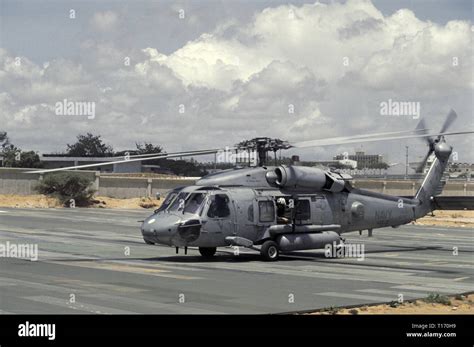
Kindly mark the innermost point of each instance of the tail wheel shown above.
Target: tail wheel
(207, 252)
(270, 251)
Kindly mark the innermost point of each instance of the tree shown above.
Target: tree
(145, 148)
(148, 148)
(183, 168)
(178, 167)
(15, 157)
(4, 141)
(89, 146)
(71, 188)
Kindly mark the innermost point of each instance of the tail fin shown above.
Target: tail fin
(432, 183)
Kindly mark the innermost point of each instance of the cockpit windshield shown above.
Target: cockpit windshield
(188, 202)
(168, 200)
(178, 203)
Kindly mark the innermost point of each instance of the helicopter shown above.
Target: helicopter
(286, 208)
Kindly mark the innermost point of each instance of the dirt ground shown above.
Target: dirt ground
(105, 202)
(42, 201)
(459, 304)
(26, 201)
(463, 219)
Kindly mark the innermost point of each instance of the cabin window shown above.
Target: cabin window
(250, 213)
(219, 207)
(266, 210)
(303, 210)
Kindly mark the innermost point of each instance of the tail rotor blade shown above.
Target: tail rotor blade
(421, 166)
(421, 127)
(449, 120)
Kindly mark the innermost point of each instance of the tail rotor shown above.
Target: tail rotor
(432, 141)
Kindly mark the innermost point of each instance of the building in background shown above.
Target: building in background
(336, 164)
(460, 170)
(362, 159)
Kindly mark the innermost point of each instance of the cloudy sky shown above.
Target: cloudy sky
(200, 74)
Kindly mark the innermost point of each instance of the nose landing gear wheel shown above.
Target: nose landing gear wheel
(207, 252)
(270, 251)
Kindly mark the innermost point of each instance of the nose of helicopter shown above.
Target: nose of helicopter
(160, 228)
(170, 229)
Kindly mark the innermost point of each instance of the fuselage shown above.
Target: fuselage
(204, 216)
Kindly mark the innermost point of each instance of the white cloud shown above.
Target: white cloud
(240, 80)
(105, 21)
(322, 37)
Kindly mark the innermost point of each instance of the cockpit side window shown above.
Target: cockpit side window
(219, 207)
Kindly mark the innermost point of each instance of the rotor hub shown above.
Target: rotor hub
(263, 145)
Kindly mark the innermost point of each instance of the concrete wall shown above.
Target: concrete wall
(132, 187)
(17, 181)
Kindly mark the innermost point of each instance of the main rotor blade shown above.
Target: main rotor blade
(420, 128)
(154, 154)
(162, 156)
(332, 141)
(347, 138)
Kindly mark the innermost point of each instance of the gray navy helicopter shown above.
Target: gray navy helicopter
(278, 209)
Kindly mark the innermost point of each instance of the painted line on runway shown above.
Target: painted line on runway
(447, 290)
(130, 269)
(394, 293)
(77, 306)
(158, 307)
(110, 288)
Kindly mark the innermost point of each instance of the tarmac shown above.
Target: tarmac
(95, 261)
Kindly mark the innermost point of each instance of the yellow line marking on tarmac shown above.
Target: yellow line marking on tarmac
(111, 287)
(436, 263)
(461, 278)
(128, 268)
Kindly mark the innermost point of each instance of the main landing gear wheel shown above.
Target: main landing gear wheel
(207, 252)
(270, 251)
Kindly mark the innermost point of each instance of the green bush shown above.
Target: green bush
(436, 298)
(66, 186)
